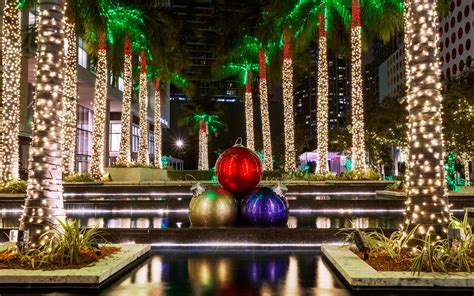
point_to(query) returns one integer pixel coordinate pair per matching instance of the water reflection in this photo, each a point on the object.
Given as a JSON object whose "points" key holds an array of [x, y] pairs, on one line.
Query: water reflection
{"points": [[232, 273]]}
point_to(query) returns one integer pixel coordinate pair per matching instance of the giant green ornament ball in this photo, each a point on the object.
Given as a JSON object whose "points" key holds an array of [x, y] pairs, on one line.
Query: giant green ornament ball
{"points": [[215, 207]]}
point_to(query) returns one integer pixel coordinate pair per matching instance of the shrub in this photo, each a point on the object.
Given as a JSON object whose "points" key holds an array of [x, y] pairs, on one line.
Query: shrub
{"points": [[68, 240], [397, 186], [198, 175], [369, 174], [445, 255], [79, 177], [271, 175], [14, 186]]}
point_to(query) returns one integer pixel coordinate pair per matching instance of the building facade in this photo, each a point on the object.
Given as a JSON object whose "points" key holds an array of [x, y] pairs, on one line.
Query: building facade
{"points": [[456, 38], [86, 68]]}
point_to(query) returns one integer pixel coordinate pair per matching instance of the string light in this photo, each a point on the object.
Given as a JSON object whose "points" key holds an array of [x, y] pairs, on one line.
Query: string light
{"points": [[143, 100], [203, 161], [100, 110], [157, 123], [288, 116], [44, 203], [249, 112], [322, 103], [11, 58], [267, 140], [358, 146], [70, 99], [427, 202], [126, 122], [467, 177]]}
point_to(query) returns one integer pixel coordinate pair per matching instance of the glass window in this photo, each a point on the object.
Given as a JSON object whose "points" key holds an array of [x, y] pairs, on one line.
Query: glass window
{"points": [[135, 137], [151, 144], [84, 138], [115, 129], [120, 83], [81, 53]]}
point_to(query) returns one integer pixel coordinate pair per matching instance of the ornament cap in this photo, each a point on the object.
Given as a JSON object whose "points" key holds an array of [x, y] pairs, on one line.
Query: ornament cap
{"points": [[280, 189], [238, 142], [197, 189]]}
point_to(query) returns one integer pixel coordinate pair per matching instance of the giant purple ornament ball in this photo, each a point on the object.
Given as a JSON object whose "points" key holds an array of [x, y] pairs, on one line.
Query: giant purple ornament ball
{"points": [[263, 207]]}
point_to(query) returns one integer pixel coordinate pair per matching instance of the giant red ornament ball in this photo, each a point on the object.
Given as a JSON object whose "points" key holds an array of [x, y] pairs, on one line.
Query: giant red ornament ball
{"points": [[238, 169]]}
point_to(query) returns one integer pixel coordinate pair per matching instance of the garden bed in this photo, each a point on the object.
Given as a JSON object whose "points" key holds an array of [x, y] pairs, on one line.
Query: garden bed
{"points": [[358, 273], [92, 276]]}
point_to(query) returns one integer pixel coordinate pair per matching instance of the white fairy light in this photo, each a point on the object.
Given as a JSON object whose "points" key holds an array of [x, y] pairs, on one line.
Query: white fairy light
{"points": [[157, 123], [126, 122], [143, 156], [288, 116], [44, 203], [322, 100], [263, 89], [357, 99], [427, 202], [203, 161], [100, 111], [70, 99], [10, 116], [249, 112]]}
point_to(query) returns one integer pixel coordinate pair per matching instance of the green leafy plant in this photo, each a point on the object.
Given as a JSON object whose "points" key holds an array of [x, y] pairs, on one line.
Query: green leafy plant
{"points": [[14, 186], [79, 177], [397, 186], [369, 174], [198, 175], [68, 240]]}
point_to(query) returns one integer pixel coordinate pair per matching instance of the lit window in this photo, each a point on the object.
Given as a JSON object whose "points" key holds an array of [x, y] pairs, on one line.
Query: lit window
{"points": [[81, 53]]}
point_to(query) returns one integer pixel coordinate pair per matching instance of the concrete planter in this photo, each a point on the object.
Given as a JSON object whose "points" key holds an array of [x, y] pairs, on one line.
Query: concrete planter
{"points": [[94, 276], [358, 274], [137, 174]]}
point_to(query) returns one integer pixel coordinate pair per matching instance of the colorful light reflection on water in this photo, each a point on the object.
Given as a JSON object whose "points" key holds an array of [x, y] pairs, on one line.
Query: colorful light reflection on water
{"points": [[232, 273]]}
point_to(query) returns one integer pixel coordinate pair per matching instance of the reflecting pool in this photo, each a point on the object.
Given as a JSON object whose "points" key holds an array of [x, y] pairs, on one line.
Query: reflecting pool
{"points": [[230, 273]]}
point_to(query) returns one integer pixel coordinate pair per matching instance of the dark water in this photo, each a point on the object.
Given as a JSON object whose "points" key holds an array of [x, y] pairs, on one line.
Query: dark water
{"points": [[230, 273]]}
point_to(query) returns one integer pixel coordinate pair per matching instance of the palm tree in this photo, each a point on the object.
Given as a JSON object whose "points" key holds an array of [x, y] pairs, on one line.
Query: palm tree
{"points": [[143, 151], [382, 19], [202, 114], [322, 109], [265, 115], [240, 62], [126, 120], [207, 125], [100, 111], [44, 202], [157, 125], [289, 121], [70, 97], [10, 100], [427, 203]]}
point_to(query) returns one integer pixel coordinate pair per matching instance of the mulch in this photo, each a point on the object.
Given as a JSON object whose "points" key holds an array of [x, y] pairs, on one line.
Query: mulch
{"points": [[87, 257]]}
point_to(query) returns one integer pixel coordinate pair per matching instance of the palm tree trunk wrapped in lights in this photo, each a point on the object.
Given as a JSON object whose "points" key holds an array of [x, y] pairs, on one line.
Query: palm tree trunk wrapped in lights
{"points": [[11, 57], [357, 99], [289, 122], [157, 124], [203, 161], [249, 112], [44, 202], [70, 100], [267, 140], [143, 101], [100, 109], [126, 122], [427, 202], [322, 103]]}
